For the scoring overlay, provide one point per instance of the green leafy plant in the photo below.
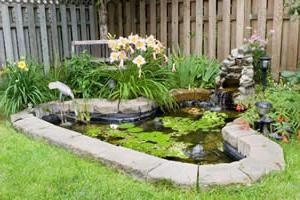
(154, 83)
(194, 71)
(293, 7)
(184, 125)
(291, 77)
(22, 84)
(258, 45)
(80, 78)
(286, 105)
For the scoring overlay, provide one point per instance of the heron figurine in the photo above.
(65, 91)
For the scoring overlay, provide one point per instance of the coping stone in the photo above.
(222, 174)
(184, 174)
(134, 162)
(256, 168)
(231, 133)
(248, 143)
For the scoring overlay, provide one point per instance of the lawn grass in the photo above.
(31, 169)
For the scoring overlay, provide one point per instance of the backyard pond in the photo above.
(189, 134)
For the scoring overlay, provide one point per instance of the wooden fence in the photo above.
(210, 27)
(44, 31)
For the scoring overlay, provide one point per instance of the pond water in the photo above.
(188, 135)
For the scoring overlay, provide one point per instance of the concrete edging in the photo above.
(152, 168)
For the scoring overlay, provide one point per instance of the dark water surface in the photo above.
(203, 146)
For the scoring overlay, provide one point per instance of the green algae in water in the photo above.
(172, 137)
(135, 130)
(126, 125)
(184, 125)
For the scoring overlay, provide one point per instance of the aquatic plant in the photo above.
(184, 125)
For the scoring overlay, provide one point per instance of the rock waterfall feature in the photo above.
(237, 71)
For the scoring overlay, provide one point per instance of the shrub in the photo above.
(194, 71)
(286, 107)
(23, 84)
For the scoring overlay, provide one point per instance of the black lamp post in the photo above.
(265, 65)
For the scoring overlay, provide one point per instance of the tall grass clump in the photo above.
(22, 84)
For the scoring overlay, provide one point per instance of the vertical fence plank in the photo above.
(32, 32)
(128, 18)
(293, 41)
(248, 14)
(111, 18)
(240, 20)
(199, 27)
(92, 22)
(83, 23)
(212, 19)
(2, 55)
(20, 30)
(74, 22)
(262, 18)
(44, 38)
(7, 32)
(54, 33)
(64, 29)
(163, 22)
(133, 15)
(143, 17)
(153, 17)
(120, 19)
(175, 26)
(276, 40)
(186, 27)
(226, 27)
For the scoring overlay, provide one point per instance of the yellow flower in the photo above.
(141, 45)
(133, 38)
(139, 61)
(114, 56)
(122, 55)
(151, 42)
(123, 41)
(114, 45)
(22, 65)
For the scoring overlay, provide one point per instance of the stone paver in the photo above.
(255, 168)
(184, 174)
(233, 132)
(222, 174)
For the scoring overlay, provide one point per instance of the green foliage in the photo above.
(126, 125)
(293, 7)
(286, 105)
(92, 81)
(153, 84)
(194, 71)
(78, 76)
(185, 125)
(291, 77)
(22, 84)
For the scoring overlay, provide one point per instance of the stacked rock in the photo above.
(237, 71)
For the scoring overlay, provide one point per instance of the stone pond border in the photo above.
(263, 156)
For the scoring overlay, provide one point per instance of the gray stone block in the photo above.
(255, 168)
(232, 132)
(222, 174)
(131, 161)
(247, 143)
(184, 174)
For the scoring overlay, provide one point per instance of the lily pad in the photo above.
(135, 130)
(126, 125)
